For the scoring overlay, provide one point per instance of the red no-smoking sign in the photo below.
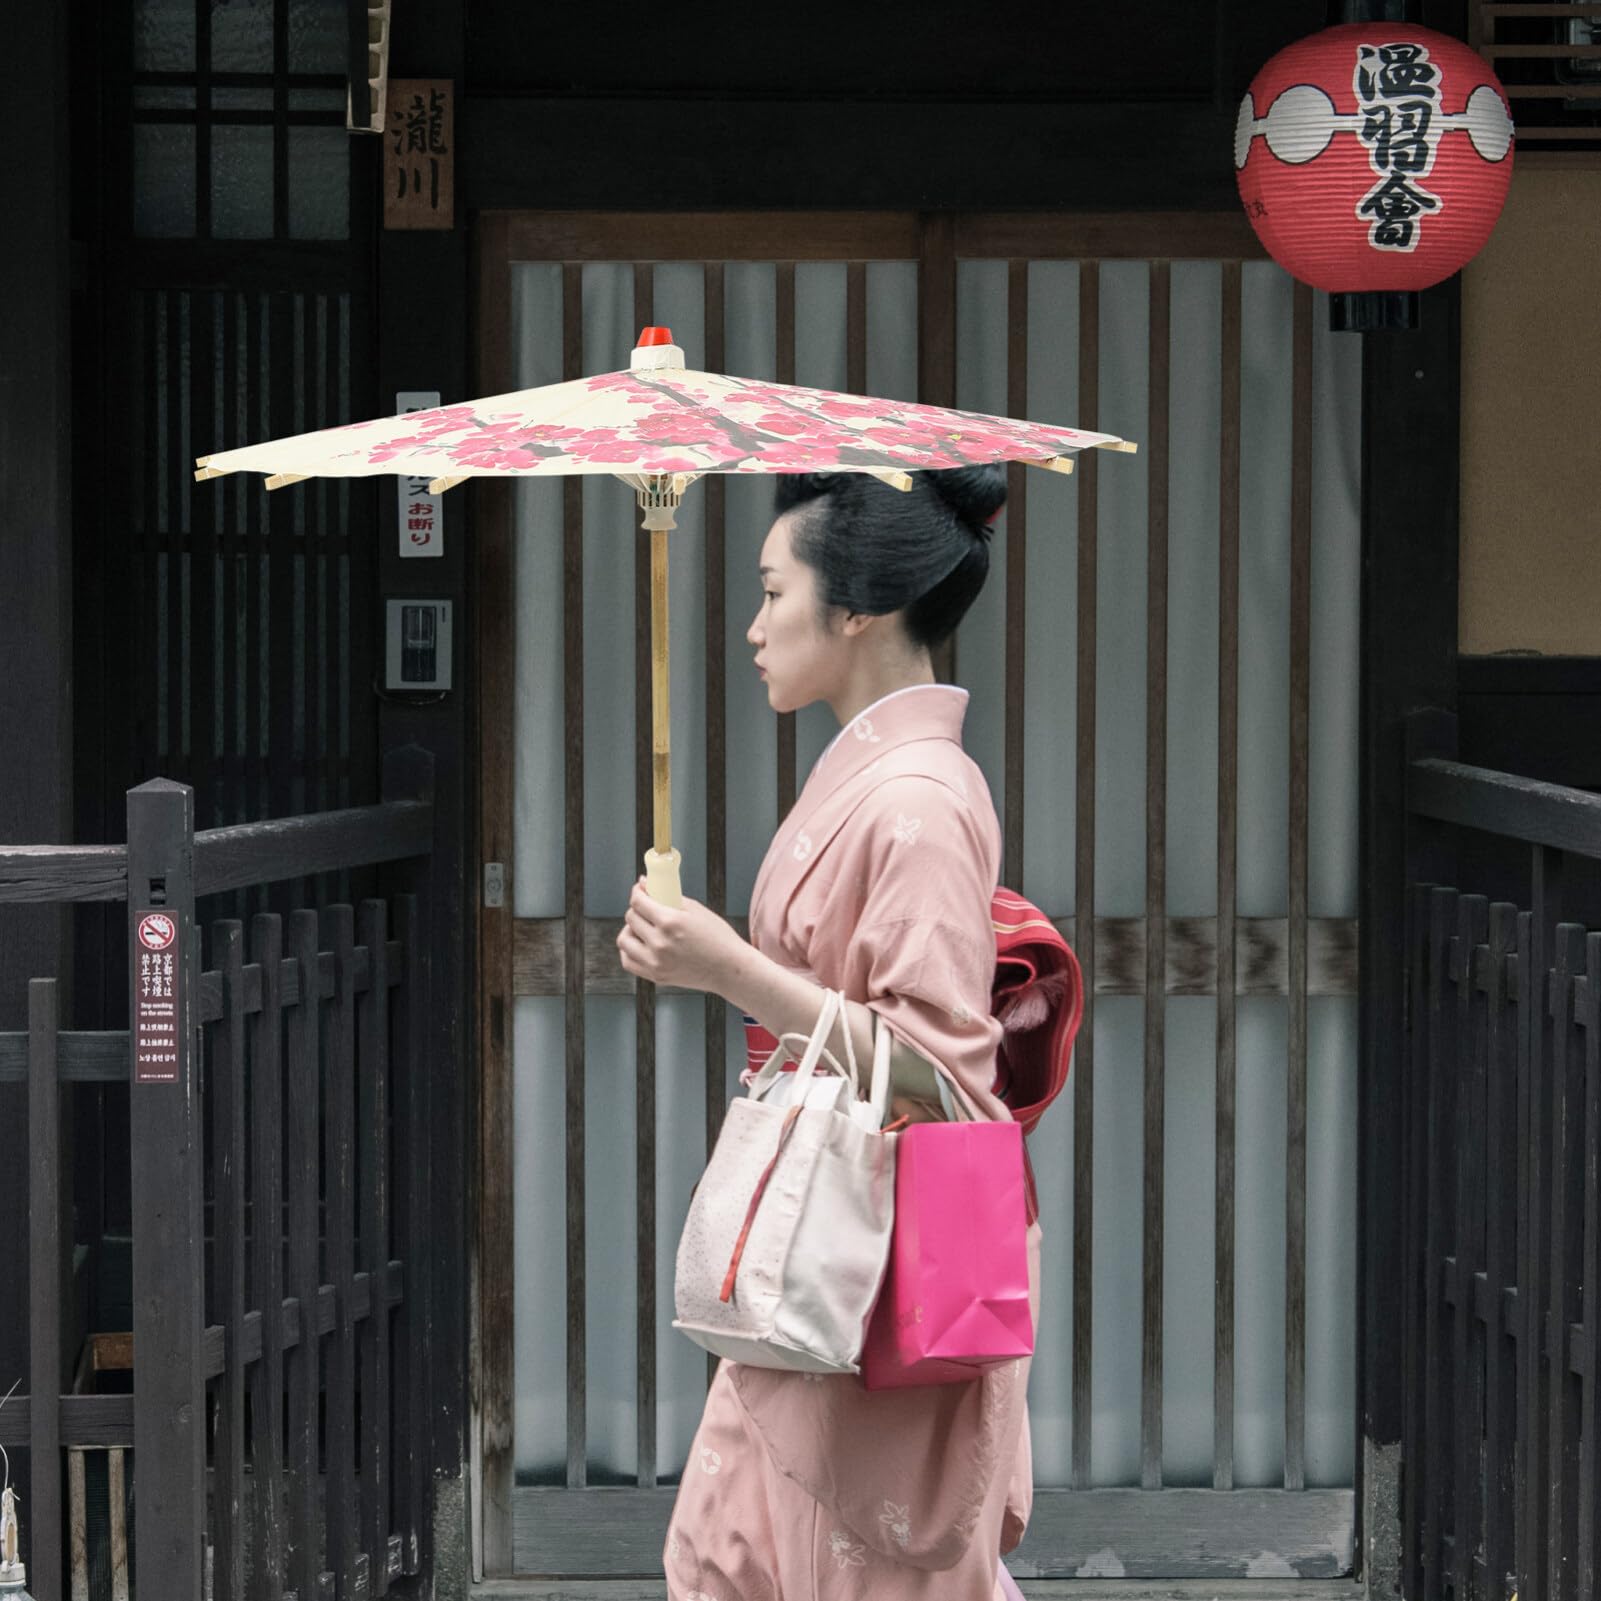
(157, 985)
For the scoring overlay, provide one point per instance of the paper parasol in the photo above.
(658, 427)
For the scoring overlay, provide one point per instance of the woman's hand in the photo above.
(689, 946)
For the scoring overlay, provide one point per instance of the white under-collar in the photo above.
(910, 689)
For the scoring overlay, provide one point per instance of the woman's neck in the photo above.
(873, 681)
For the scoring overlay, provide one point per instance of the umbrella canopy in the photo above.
(659, 426)
(658, 417)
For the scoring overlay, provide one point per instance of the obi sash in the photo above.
(1039, 996)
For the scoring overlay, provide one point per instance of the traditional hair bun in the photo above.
(975, 494)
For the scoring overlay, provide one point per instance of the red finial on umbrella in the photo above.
(654, 336)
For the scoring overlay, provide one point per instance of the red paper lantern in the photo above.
(1374, 156)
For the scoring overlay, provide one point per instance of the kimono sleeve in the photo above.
(922, 952)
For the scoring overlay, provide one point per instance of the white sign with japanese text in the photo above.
(422, 516)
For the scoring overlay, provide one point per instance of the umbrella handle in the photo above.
(661, 877)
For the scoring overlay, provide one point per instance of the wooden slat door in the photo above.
(574, 1515)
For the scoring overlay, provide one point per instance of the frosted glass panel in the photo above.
(241, 182)
(163, 181)
(539, 867)
(539, 1189)
(319, 183)
(241, 36)
(1194, 427)
(1050, 666)
(750, 303)
(164, 36)
(981, 640)
(318, 34)
(1264, 756)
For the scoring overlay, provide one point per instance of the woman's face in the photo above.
(800, 660)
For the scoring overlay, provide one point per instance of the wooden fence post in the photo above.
(46, 1303)
(165, 1157)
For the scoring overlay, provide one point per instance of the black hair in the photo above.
(876, 549)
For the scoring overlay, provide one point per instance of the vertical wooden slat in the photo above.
(573, 668)
(337, 927)
(202, 176)
(254, 586)
(312, 499)
(1500, 1251)
(332, 351)
(1589, 1529)
(644, 993)
(78, 1530)
(45, 1241)
(715, 490)
(280, 133)
(204, 623)
(495, 580)
(281, 546)
(856, 327)
(1468, 1343)
(936, 348)
(1534, 1244)
(1228, 769)
(303, 1090)
(1440, 1147)
(1089, 388)
(784, 329)
(1016, 574)
(227, 1091)
(372, 1228)
(266, 1194)
(118, 1495)
(1415, 1180)
(1566, 1260)
(221, 502)
(173, 536)
(716, 524)
(143, 735)
(413, 1324)
(1161, 279)
(1300, 717)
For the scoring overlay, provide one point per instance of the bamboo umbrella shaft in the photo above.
(661, 754)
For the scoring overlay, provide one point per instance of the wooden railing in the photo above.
(1503, 1299)
(299, 1052)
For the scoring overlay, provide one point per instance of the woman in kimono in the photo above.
(804, 1487)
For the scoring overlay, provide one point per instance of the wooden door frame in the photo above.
(937, 242)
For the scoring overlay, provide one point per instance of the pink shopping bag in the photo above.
(955, 1298)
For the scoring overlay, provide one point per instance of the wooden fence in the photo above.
(279, 1417)
(1502, 1334)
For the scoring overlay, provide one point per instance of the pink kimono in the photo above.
(802, 1487)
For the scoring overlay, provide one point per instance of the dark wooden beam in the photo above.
(1410, 385)
(423, 326)
(764, 153)
(36, 779)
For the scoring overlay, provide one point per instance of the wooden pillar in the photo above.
(35, 578)
(423, 323)
(1410, 387)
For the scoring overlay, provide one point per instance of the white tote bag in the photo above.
(787, 1239)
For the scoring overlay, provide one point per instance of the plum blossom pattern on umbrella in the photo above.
(669, 420)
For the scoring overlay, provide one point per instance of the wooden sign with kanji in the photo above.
(420, 154)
